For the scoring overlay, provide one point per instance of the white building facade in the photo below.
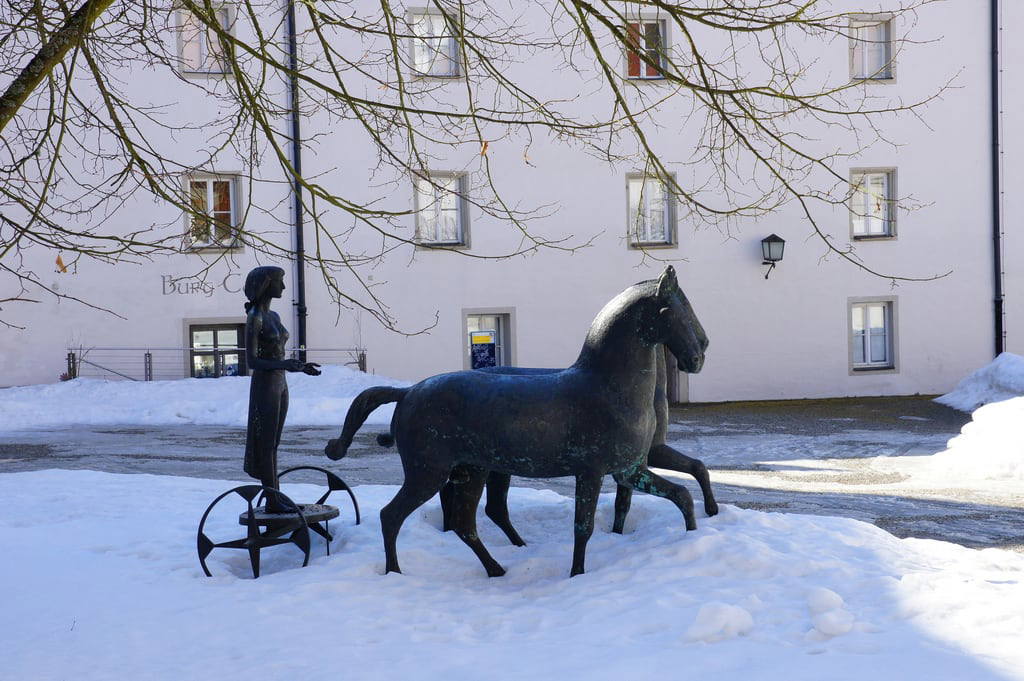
(817, 326)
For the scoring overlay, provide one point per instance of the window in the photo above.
(645, 38)
(217, 350)
(871, 49)
(486, 334)
(440, 211)
(434, 48)
(872, 331)
(872, 206)
(213, 220)
(488, 337)
(650, 212)
(200, 48)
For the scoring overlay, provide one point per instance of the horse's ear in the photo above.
(667, 284)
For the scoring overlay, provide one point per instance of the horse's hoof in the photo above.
(691, 525)
(711, 508)
(575, 571)
(392, 569)
(329, 450)
(495, 571)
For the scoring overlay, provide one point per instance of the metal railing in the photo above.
(168, 363)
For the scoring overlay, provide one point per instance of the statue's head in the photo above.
(259, 284)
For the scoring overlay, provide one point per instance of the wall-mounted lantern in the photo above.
(772, 247)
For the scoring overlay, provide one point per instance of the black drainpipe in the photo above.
(300, 251)
(997, 246)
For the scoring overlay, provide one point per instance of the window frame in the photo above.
(434, 177)
(234, 189)
(857, 22)
(643, 20)
(891, 312)
(187, 70)
(891, 204)
(669, 215)
(454, 56)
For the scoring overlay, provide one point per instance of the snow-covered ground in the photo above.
(313, 401)
(102, 582)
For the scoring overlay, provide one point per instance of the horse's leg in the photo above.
(645, 481)
(420, 484)
(663, 456)
(497, 506)
(588, 487)
(464, 503)
(623, 498)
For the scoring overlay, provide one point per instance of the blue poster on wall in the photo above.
(483, 350)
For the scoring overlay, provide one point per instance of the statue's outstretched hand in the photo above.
(311, 368)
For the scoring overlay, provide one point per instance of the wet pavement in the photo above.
(806, 456)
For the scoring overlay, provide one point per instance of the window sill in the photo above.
(646, 79)
(645, 245)
(213, 248)
(874, 237)
(879, 369)
(205, 74)
(888, 80)
(433, 76)
(442, 245)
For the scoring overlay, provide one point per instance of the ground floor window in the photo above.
(872, 329)
(217, 350)
(487, 336)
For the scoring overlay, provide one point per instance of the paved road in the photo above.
(748, 444)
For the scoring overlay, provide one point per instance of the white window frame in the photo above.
(435, 194)
(231, 240)
(638, 206)
(446, 48)
(865, 207)
(862, 338)
(865, 43)
(209, 63)
(642, 47)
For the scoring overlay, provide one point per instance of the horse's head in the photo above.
(676, 325)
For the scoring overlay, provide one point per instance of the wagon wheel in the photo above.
(334, 483)
(284, 528)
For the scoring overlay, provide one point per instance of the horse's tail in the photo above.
(364, 403)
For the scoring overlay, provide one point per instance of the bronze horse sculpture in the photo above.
(587, 421)
(660, 455)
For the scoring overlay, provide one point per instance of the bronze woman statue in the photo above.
(265, 340)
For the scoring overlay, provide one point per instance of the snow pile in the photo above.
(1001, 379)
(990, 447)
(313, 401)
(106, 584)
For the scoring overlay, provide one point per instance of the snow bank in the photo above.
(313, 401)
(1001, 379)
(103, 583)
(990, 448)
